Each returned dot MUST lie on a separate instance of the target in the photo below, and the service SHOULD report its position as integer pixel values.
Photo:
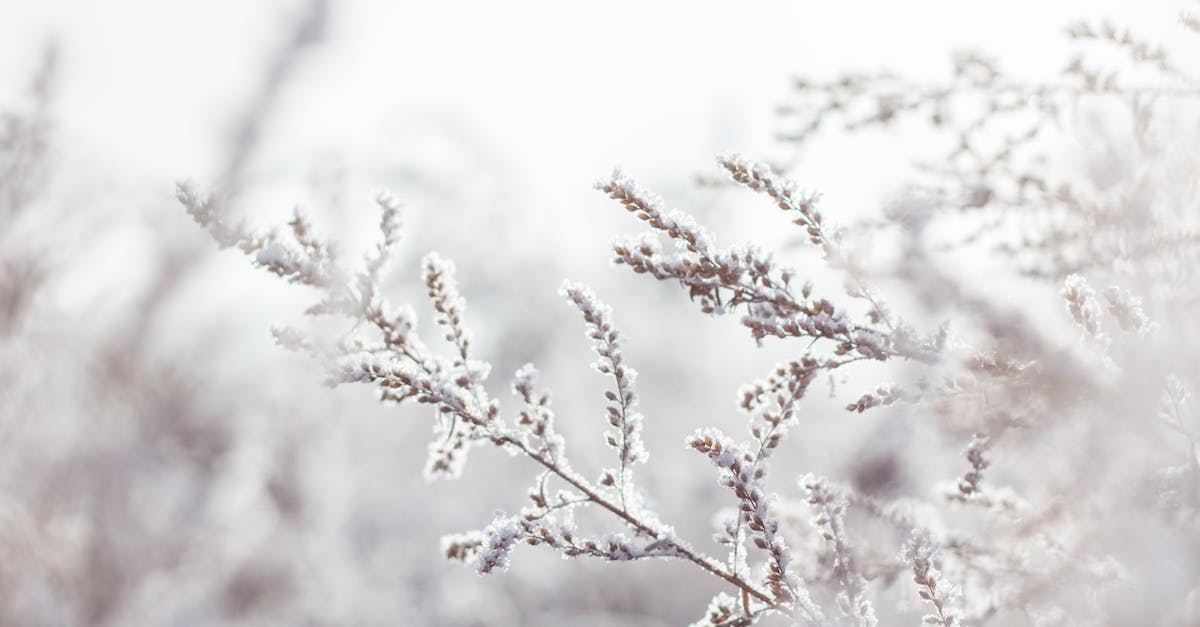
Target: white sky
(552, 94)
(147, 81)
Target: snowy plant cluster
(1072, 477)
(984, 411)
(1063, 449)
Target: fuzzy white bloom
(919, 552)
(723, 611)
(625, 423)
(1127, 310)
(291, 338)
(498, 540)
(650, 208)
(391, 228)
(1081, 304)
(523, 380)
(743, 475)
(449, 304)
(830, 503)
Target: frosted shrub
(1076, 498)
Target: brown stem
(593, 496)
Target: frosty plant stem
(830, 582)
(403, 368)
(724, 281)
(1010, 384)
